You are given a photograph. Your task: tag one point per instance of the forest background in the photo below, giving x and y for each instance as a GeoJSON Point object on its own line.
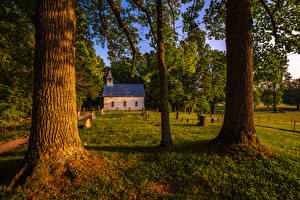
{"type": "Point", "coordinates": [196, 71]}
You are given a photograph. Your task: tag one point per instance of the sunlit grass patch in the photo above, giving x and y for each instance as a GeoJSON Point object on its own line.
{"type": "Point", "coordinates": [136, 168]}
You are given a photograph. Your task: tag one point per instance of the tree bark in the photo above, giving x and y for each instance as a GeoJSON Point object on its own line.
{"type": "Point", "coordinates": [238, 126]}
{"type": "Point", "coordinates": [166, 139]}
{"type": "Point", "coordinates": [54, 133]}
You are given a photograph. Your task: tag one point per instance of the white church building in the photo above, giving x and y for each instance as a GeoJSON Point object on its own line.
{"type": "Point", "coordinates": [123, 96]}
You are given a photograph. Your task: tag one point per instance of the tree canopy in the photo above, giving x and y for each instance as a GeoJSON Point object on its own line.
{"type": "Point", "coordinates": [180, 70]}
{"type": "Point", "coordinates": [291, 96]}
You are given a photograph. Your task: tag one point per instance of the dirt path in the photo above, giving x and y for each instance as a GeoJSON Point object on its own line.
{"type": "Point", "coordinates": [13, 144]}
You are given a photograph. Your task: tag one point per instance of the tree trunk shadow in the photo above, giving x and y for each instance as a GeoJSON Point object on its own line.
{"type": "Point", "coordinates": [10, 164]}
{"type": "Point", "coordinates": [202, 146]}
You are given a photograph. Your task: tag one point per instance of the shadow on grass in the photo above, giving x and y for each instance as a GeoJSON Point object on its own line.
{"type": "Point", "coordinates": [280, 110]}
{"type": "Point", "coordinates": [10, 164]}
{"type": "Point", "coordinates": [194, 124]}
{"type": "Point", "coordinates": [184, 125]}
{"type": "Point", "coordinates": [280, 129]}
{"type": "Point", "coordinates": [203, 146]}
{"type": "Point", "coordinates": [124, 149]}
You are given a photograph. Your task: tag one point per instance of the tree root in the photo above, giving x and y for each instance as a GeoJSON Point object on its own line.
{"type": "Point", "coordinates": [45, 173]}
{"type": "Point", "coordinates": [243, 145]}
{"type": "Point", "coordinates": [245, 149]}
{"type": "Point", "coordinates": [251, 151]}
{"type": "Point", "coordinates": [17, 176]}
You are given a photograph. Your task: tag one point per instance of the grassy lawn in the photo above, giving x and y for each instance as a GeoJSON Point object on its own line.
{"type": "Point", "coordinates": [279, 120]}
{"type": "Point", "coordinates": [282, 107]}
{"type": "Point", "coordinates": [135, 168]}
{"type": "Point", "coordinates": [14, 130]}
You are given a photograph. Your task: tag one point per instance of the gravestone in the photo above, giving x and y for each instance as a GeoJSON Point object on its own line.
{"type": "Point", "coordinates": [87, 123]}
{"type": "Point", "coordinates": [93, 115]}
{"type": "Point", "coordinates": [143, 112]}
{"type": "Point", "coordinates": [201, 120]}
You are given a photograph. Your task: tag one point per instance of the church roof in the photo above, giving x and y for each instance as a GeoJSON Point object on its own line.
{"type": "Point", "coordinates": [124, 90]}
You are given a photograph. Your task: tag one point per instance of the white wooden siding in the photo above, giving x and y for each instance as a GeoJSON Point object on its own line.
{"type": "Point", "coordinates": [119, 103]}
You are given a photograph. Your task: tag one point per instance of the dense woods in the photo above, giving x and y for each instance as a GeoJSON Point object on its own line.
{"type": "Point", "coordinates": [189, 61]}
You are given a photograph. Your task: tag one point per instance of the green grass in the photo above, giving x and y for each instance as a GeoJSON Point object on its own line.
{"type": "Point", "coordinates": [280, 107]}
{"type": "Point", "coordinates": [14, 131]}
{"type": "Point", "coordinates": [279, 117]}
{"type": "Point", "coordinates": [137, 168]}
{"type": "Point", "coordinates": [279, 120]}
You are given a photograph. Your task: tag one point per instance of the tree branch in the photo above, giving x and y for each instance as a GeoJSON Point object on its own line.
{"type": "Point", "coordinates": [270, 13]}
{"type": "Point", "coordinates": [146, 11]}
{"type": "Point", "coordinates": [103, 20]}
{"type": "Point", "coordinates": [173, 17]}
{"type": "Point", "coordinates": [276, 6]}
{"type": "Point", "coordinates": [125, 29]}
{"type": "Point", "coordinates": [287, 31]}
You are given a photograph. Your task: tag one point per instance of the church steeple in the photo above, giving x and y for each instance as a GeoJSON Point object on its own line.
{"type": "Point", "coordinates": [110, 79]}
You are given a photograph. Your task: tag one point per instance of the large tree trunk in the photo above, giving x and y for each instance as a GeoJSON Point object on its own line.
{"type": "Point", "coordinates": [54, 134]}
{"type": "Point", "coordinates": [238, 126]}
{"type": "Point", "coordinates": [166, 139]}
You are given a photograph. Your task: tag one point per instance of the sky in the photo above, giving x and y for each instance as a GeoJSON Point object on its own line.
{"type": "Point", "coordinates": [294, 59]}
{"type": "Point", "coordinates": [293, 68]}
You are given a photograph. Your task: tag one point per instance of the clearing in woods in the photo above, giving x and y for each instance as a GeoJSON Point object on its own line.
{"type": "Point", "coordinates": [135, 168]}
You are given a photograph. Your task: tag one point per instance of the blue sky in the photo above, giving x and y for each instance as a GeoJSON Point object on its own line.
{"type": "Point", "coordinates": [294, 59]}
{"type": "Point", "coordinates": [145, 44]}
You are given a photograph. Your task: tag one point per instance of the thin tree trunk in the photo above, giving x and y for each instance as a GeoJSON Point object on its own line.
{"type": "Point", "coordinates": [274, 102]}
{"type": "Point", "coordinates": [297, 106]}
{"type": "Point", "coordinates": [54, 133]}
{"type": "Point", "coordinates": [166, 139]}
{"type": "Point", "coordinates": [238, 126]}
{"type": "Point", "coordinates": [213, 106]}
